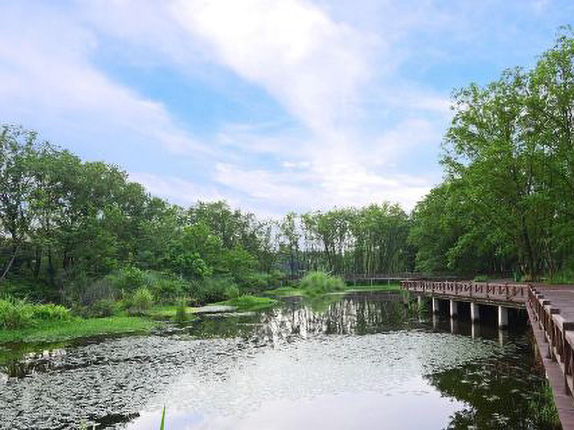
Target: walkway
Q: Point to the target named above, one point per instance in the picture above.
(551, 313)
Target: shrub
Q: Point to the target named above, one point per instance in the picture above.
(15, 314)
(141, 302)
(320, 283)
(84, 293)
(166, 289)
(480, 278)
(231, 292)
(131, 279)
(211, 289)
(50, 312)
(19, 313)
(101, 309)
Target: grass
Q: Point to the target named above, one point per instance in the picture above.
(385, 287)
(298, 292)
(55, 331)
(285, 292)
(249, 303)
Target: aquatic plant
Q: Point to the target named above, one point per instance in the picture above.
(543, 409)
(320, 283)
(162, 424)
(181, 315)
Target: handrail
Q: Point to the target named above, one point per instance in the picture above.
(481, 290)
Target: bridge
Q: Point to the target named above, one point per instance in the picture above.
(550, 312)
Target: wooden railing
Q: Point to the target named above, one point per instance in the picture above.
(555, 340)
(480, 290)
(558, 334)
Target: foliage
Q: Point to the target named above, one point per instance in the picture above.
(101, 309)
(506, 204)
(231, 292)
(181, 315)
(19, 313)
(315, 283)
(140, 302)
(247, 303)
(211, 289)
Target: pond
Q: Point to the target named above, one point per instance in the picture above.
(354, 361)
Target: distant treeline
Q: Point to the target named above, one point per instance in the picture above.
(505, 207)
(66, 224)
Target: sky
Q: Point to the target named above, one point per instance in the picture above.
(273, 105)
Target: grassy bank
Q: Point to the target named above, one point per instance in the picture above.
(299, 292)
(250, 303)
(55, 331)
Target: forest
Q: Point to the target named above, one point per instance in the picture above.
(80, 232)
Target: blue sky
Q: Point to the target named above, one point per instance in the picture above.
(274, 105)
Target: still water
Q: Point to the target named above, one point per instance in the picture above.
(358, 361)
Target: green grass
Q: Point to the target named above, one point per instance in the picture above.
(385, 287)
(285, 292)
(298, 292)
(65, 330)
(250, 303)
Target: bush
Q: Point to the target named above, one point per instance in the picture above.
(15, 314)
(167, 290)
(101, 309)
(84, 293)
(19, 313)
(480, 278)
(231, 292)
(50, 312)
(321, 283)
(141, 302)
(210, 290)
(130, 279)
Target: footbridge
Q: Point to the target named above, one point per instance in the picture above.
(550, 312)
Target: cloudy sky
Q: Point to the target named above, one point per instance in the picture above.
(274, 105)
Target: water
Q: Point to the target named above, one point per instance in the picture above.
(357, 361)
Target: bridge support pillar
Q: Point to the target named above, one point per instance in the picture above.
(435, 306)
(502, 317)
(475, 330)
(454, 326)
(453, 309)
(474, 312)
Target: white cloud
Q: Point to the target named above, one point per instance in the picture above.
(311, 64)
(178, 190)
(47, 80)
(320, 69)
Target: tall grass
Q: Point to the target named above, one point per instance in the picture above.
(181, 314)
(315, 283)
(141, 302)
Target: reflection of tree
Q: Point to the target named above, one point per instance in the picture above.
(334, 314)
(504, 392)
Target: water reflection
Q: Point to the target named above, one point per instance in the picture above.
(321, 374)
(342, 362)
(351, 314)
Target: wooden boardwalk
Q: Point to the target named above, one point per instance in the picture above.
(551, 314)
(507, 294)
